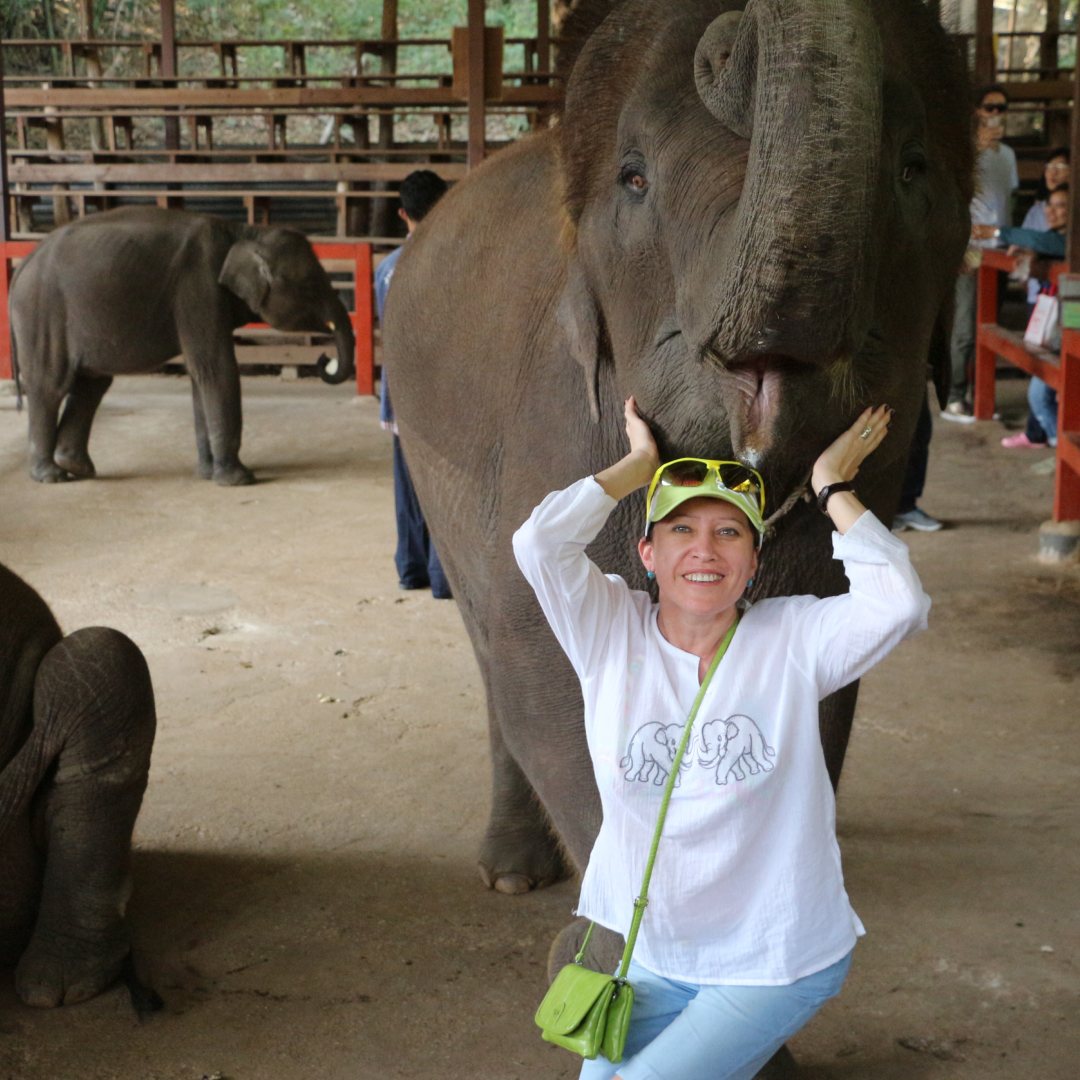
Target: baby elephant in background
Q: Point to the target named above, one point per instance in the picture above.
(125, 291)
(732, 743)
(76, 731)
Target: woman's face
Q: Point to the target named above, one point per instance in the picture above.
(702, 554)
(1057, 210)
(1056, 173)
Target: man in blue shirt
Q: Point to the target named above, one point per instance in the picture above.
(417, 563)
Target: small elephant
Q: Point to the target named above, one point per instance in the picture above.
(127, 290)
(729, 744)
(652, 753)
(77, 728)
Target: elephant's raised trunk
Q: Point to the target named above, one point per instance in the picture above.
(802, 80)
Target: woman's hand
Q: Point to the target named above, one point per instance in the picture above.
(983, 232)
(841, 461)
(637, 468)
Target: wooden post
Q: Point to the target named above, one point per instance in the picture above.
(5, 206)
(543, 36)
(475, 92)
(380, 209)
(985, 61)
(93, 70)
(168, 67)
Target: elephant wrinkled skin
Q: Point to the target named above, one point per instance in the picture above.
(125, 291)
(77, 728)
(750, 220)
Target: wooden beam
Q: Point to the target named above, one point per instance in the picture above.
(985, 61)
(168, 66)
(239, 100)
(230, 173)
(5, 224)
(543, 36)
(1073, 243)
(475, 93)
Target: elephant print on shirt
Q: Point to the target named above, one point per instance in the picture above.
(652, 752)
(731, 744)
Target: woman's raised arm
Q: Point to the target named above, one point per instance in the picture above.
(637, 468)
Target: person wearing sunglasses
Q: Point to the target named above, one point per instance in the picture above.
(748, 928)
(996, 178)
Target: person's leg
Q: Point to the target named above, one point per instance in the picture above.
(1034, 430)
(730, 1032)
(963, 338)
(657, 1002)
(1043, 402)
(440, 587)
(411, 556)
(915, 477)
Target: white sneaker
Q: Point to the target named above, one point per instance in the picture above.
(959, 412)
(915, 519)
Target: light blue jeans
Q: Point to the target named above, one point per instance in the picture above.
(1043, 402)
(683, 1031)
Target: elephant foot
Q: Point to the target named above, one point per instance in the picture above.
(65, 970)
(234, 476)
(604, 953)
(513, 863)
(79, 465)
(48, 472)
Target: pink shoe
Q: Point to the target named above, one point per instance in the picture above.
(1020, 439)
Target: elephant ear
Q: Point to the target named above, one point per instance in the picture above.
(581, 321)
(940, 356)
(247, 273)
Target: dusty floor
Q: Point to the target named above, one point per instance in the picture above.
(306, 899)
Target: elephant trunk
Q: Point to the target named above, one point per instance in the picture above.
(802, 81)
(344, 366)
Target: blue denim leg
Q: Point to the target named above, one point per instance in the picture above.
(411, 557)
(679, 1031)
(1043, 402)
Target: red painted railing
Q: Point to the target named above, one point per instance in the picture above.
(359, 254)
(1063, 374)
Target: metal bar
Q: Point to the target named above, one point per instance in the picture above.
(362, 318)
(985, 313)
(168, 67)
(475, 91)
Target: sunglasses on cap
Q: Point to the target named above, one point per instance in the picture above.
(688, 478)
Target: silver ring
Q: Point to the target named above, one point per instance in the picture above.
(867, 433)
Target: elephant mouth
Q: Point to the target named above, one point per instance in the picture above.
(754, 392)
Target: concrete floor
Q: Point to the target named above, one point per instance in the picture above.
(306, 896)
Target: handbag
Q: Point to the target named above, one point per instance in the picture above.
(589, 1011)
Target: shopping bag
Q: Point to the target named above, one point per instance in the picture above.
(1043, 322)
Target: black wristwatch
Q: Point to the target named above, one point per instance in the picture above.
(832, 489)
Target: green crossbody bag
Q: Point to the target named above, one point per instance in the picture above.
(587, 1011)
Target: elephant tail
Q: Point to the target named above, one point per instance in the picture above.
(627, 761)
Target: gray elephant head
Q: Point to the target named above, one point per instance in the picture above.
(668, 738)
(715, 735)
(778, 250)
(275, 272)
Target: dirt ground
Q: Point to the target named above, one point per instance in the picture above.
(306, 899)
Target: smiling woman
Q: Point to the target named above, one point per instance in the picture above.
(747, 916)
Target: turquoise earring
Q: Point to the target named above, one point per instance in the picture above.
(749, 583)
(650, 575)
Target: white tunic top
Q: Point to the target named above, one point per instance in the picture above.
(747, 887)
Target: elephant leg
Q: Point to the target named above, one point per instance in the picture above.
(94, 702)
(835, 714)
(218, 386)
(73, 438)
(20, 888)
(519, 851)
(44, 407)
(205, 468)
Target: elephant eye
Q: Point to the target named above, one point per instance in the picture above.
(633, 178)
(913, 167)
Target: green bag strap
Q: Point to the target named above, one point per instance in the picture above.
(642, 901)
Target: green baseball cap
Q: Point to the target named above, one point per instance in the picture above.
(694, 478)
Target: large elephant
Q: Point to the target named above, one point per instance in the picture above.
(750, 220)
(127, 290)
(76, 732)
